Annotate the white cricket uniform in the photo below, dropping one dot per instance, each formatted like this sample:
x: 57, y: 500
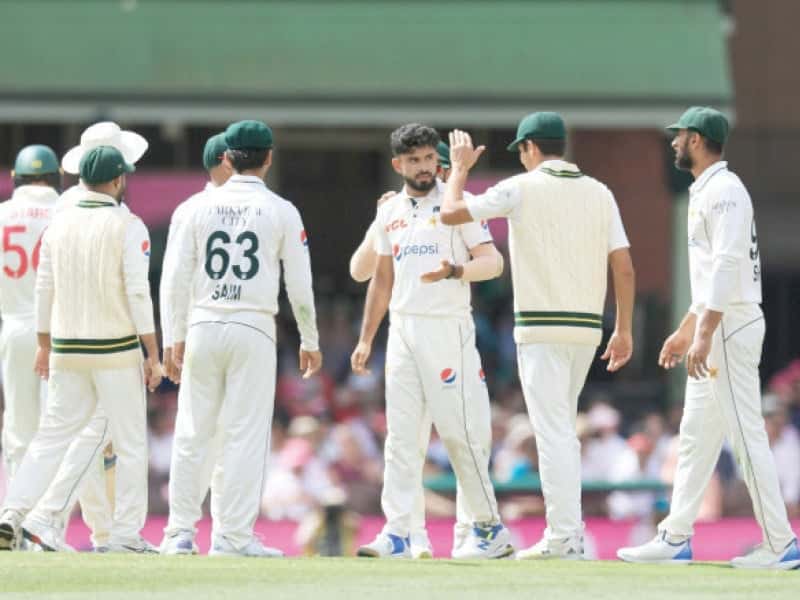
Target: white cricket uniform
x: 179, y: 215
x: 23, y: 219
x: 562, y: 226
x: 230, y: 251
x: 725, y: 272
x: 93, y: 297
x: 431, y: 361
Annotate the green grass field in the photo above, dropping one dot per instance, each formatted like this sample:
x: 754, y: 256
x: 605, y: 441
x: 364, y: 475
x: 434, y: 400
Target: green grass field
x: 33, y: 575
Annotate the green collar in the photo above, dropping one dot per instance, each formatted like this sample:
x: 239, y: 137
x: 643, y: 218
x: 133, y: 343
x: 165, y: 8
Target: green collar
x: 95, y: 203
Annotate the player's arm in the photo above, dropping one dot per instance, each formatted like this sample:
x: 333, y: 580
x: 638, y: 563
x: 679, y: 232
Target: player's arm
x: 135, y: 269
x: 43, y: 298
x: 297, y: 276
x: 166, y: 325
x: 620, y: 346
x: 365, y: 259
x: 485, y: 263
x: 379, y: 294
x: 730, y: 220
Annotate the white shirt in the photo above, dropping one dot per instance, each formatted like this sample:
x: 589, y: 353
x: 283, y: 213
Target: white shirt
x: 410, y: 230
x: 503, y: 200
x: 229, y: 252
x: 23, y: 219
x: 724, y: 261
x: 170, y: 254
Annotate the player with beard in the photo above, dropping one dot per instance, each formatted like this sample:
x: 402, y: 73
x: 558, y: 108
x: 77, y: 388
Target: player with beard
x: 432, y: 366
x: 720, y: 338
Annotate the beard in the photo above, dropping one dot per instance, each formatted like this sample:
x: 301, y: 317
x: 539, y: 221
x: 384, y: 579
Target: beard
x: 421, y: 186
x: 683, y: 159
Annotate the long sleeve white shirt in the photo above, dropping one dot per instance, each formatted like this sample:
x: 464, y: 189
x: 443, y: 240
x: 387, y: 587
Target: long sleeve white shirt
x: 229, y: 251
x: 724, y: 260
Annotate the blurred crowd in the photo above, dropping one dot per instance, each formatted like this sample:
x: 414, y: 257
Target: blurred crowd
x: 328, y: 435
x: 329, y: 431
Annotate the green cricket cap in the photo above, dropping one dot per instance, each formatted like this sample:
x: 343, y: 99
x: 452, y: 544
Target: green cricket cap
x: 214, y: 149
x: 248, y: 135
x: 103, y: 164
x: 706, y: 121
x: 443, y: 150
x: 539, y: 125
x: 36, y: 160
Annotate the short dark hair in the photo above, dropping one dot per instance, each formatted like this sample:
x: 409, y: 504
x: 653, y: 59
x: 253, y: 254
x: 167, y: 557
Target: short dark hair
x: 413, y: 135
x: 713, y: 146
x: 550, y: 147
x: 247, y: 158
x: 51, y: 179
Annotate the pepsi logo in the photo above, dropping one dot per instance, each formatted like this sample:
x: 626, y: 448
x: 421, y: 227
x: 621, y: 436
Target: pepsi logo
x: 396, y: 252
x: 447, y: 376
x: 485, y: 224
x: 304, y: 238
x: 482, y: 375
x: 146, y: 248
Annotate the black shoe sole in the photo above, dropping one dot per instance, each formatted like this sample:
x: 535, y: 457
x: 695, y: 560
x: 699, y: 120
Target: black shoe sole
x: 7, y: 537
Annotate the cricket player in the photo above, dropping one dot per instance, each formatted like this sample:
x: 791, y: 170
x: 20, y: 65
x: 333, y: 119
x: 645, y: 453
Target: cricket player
x: 93, y: 307
x: 23, y: 219
x: 564, y: 231
x: 82, y: 476
x: 422, y: 277
x: 219, y: 171
x: 362, y: 267
x: 230, y: 251
x: 720, y: 338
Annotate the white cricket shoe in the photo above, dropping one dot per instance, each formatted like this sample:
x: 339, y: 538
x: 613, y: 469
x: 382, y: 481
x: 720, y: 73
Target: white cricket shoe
x: 764, y: 558
x: 10, y: 530
x: 461, y: 533
x: 179, y: 542
x: 135, y: 546
x: 44, y: 537
x: 420, y: 545
x: 548, y: 549
x: 253, y: 549
x: 386, y: 545
x: 491, y: 541
x: 661, y: 550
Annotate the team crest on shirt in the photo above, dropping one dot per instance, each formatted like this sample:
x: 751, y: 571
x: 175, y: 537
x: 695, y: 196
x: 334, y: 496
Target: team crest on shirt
x: 448, y: 376
x: 146, y: 248
x: 304, y: 238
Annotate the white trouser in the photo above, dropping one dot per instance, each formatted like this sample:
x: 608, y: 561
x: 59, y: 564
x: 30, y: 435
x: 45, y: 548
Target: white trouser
x: 73, y: 397
x: 81, y: 477
x: 463, y: 520
x: 552, y: 377
x: 24, y: 392
x: 227, y: 388
x: 432, y: 363
x: 729, y: 403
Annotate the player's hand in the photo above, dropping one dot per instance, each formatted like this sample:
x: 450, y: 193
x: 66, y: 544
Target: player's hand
x: 618, y: 351
x: 310, y: 362
x: 697, y: 357
x: 462, y: 154
x: 674, y: 349
x: 386, y: 196
x: 443, y: 272
x: 359, y: 358
x: 41, y: 365
x: 169, y: 366
x: 153, y: 373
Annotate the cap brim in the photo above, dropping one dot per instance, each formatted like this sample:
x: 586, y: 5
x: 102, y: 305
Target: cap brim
x: 131, y: 144
x: 129, y: 168
x: 674, y: 127
x: 512, y: 147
